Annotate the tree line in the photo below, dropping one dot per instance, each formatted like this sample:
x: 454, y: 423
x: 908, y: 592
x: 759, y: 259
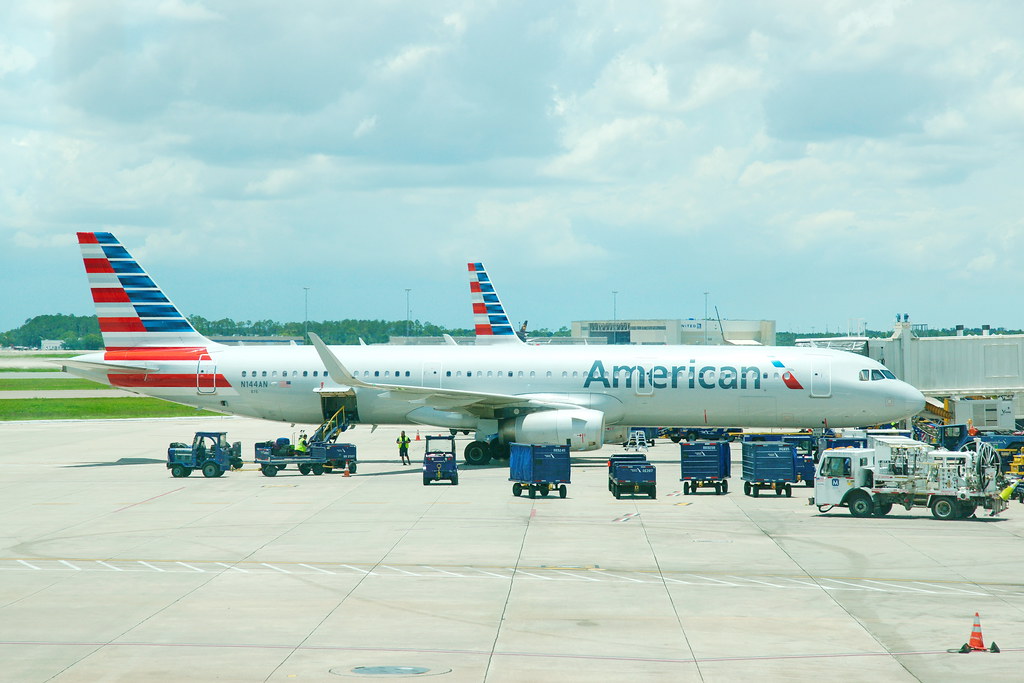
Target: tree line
x: 83, y: 331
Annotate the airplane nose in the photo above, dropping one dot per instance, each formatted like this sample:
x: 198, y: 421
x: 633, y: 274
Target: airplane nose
x: 911, y: 400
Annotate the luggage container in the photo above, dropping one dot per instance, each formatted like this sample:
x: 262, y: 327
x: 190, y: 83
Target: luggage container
x: 770, y: 465
x: 274, y: 456
x: 538, y: 468
x: 633, y: 477
x: 335, y: 455
x: 705, y: 465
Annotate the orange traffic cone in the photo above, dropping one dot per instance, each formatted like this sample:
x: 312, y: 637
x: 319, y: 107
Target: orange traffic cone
x: 977, y: 642
x: 417, y: 435
x: 346, y: 473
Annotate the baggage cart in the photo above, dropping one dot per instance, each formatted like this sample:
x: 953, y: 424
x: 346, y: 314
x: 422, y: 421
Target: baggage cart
x: 633, y: 477
x: 705, y: 465
x: 274, y: 456
x: 770, y: 465
x: 538, y: 468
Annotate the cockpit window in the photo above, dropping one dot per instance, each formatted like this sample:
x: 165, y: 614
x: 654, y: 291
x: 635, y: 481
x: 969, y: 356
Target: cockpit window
x: 877, y: 374
x: 888, y: 374
x: 865, y: 375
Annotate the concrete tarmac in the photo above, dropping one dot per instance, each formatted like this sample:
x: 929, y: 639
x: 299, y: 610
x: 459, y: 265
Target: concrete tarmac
x: 110, y: 569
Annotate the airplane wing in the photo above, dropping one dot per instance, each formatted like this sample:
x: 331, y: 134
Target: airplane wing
x: 108, y: 366
x: 475, y: 402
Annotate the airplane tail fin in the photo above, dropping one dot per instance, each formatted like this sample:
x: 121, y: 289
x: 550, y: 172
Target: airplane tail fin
x: 133, y: 312
x: 492, y: 324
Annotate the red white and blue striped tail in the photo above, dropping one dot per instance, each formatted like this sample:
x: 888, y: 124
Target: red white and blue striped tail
x: 492, y: 324
x: 133, y: 312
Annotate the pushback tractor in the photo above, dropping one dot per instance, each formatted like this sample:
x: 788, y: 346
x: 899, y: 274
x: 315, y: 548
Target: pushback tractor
x: 897, y: 470
x: 439, y: 462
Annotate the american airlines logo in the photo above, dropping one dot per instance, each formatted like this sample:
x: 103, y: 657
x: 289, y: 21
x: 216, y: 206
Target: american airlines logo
x: 690, y: 376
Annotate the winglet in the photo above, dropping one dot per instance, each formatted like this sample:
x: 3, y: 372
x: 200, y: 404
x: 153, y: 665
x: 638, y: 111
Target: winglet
x: 492, y: 324
x: 338, y: 371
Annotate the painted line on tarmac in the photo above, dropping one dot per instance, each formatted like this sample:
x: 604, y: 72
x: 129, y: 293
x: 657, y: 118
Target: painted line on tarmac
x: 182, y: 488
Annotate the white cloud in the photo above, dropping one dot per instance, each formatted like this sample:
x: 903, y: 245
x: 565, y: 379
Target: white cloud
x: 186, y: 11
x: 365, y: 127
x: 15, y: 59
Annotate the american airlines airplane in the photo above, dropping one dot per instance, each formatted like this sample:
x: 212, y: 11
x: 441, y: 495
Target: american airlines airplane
x: 505, y: 391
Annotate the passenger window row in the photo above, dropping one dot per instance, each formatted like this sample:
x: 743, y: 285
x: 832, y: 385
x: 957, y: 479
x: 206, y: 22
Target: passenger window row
x: 874, y: 375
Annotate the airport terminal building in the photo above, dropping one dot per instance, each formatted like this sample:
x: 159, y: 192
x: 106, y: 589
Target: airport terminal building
x: 695, y: 331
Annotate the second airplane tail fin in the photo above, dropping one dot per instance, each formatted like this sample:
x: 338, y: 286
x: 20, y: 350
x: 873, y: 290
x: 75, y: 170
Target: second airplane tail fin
x: 491, y: 322
x: 133, y: 312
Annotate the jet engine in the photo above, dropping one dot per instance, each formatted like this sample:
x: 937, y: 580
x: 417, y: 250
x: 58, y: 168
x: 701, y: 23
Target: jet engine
x: 582, y: 428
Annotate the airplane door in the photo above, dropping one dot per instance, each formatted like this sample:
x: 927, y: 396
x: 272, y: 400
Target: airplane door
x: 206, y: 376
x: 821, y: 381
x: 432, y: 374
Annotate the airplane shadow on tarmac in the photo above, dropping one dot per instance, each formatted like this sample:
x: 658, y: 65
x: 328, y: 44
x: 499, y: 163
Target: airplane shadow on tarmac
x: 121, y: 461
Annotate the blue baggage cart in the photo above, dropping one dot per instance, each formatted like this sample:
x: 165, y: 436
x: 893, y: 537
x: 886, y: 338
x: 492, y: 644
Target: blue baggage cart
x: 335, y: 455
x: 705, y: 465
x: 538, y: 468
x: 633, y: 477
x: 439, y: 460
x: 769, y: 465
x: 274, y: 456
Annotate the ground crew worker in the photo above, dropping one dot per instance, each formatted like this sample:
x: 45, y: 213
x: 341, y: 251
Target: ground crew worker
x: 301, y: 448
x: 403, y: 448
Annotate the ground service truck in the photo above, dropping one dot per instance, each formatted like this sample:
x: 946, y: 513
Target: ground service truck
x: 897, y: 470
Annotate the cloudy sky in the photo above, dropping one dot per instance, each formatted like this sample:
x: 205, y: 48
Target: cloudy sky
x: 808, y: 162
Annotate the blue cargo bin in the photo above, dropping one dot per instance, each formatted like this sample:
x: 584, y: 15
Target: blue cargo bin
x: 538, y: 468
x: 635, y: 477
x: 771, y: 465
x: 705, y: 465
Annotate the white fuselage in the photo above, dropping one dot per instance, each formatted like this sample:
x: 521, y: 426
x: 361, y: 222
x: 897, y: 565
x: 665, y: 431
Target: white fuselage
x: 631, y: 385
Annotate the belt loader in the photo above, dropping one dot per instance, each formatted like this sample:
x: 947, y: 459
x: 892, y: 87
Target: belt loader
x: 897, y: 470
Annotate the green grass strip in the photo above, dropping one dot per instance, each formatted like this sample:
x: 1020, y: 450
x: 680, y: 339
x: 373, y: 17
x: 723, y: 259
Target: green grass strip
x: 93, y: 409
x: 37, y: 356
x: 55, y: 384
x: 53, y: 369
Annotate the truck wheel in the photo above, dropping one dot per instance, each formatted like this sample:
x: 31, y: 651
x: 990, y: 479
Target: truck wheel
x: 691, y: 435
x: 178, y: 471
x: 305, y: 469
x: 562, y: 492
x: 861, y: 505
x: 882, y: 509
x: 517, y: 489
x: 188, y: 471
x: 281, y: 467
x: 686, y: 488
x: 653, y: 492
x: 718, y: 489
x: 545, y: 491
x: 318, y: 469
x: 477, y: 453
x: 269, y: 471
x: 533, y: 491
x: 789, y: 491
x: 455, y: 480
x: 426, y: 481
x: 746, y: 488
x: 778, y: 489
x: 616, y: 492
x: 675, y: 438
x: 351, y: 468
x: 236, y: 463
x: 967, y: 509
x: 755, y: 491
x: 725, y: 486
x: 210, y: 469
x: 945, y: 507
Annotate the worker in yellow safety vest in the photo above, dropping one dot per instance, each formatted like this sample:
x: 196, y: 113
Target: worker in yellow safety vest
x: 403, y: 448
x: 301, y: 448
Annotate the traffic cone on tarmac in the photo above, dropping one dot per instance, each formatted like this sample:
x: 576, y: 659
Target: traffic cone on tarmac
x: 977, y: 642
x: 346, y: 473
x: 417, y: 435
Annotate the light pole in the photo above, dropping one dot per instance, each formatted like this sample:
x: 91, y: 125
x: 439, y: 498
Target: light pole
x: 615, y: 314
x: 706, y: 318
x: 407, y: 290
x: 305, y: 317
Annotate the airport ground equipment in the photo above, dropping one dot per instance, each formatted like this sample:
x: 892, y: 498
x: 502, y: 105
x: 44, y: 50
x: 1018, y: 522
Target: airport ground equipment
x: 633, y: 477
x: 806, y: 453
x: 677, y: 434
x: 540, y: 469
x: 637, y: 441
x: 902, y: 471
x: 439, y: 460
x: 324, y: 443
x: 705, y: 464
x: 960, y: 437
x: 209, y: 452
x: 274, y: 456
x: 771, y: 465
